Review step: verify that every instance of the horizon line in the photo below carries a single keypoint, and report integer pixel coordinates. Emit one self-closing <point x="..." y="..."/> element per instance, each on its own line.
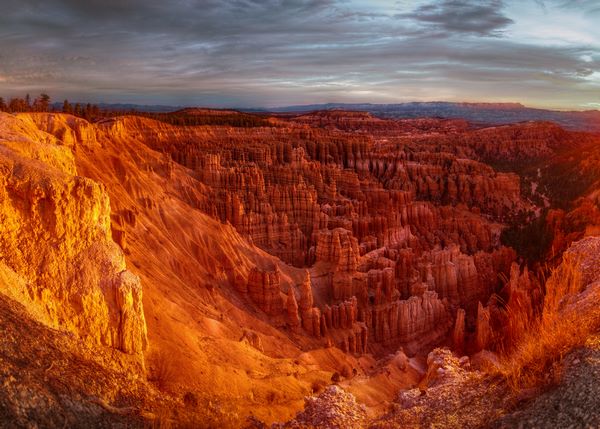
<point x="272" y="108"/>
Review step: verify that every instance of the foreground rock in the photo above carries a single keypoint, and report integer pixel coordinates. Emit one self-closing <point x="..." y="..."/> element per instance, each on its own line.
<point x="450" y="396"/>
<point x="333" y="409"/>
<point x="574" y="403"/>
<point x="47" y="379"/>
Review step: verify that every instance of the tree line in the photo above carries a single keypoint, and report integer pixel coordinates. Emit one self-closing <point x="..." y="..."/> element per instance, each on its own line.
<point x="42" y="103"/>
<point x="92" y="113"/>
<point x="17" y="104"/>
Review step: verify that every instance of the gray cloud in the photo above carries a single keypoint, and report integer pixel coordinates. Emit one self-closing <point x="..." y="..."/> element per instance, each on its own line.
<point x="481" y="17"/>
<point x="274" y="52"/>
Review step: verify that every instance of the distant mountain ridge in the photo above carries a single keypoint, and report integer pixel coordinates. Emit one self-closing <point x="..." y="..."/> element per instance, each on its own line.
<point x="484" y="113"/>
<point x="476" y="113"/>
<point x="154" y="108"/>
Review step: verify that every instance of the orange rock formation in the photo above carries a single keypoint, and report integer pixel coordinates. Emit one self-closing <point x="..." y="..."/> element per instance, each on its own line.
<point x="328" y="229"/>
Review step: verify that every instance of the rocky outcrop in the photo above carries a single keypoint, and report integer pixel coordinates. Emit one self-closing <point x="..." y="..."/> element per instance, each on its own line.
<point x="584" y="255"/>
<point x="56" y="238"/>
<point x="306" y="303"/>
<point x="339" y="248"/>
<point x="253" y="339"/>
<point x="264" y="290"/>
<point x="458" y="334"/>
<point x="333" y="408"/>
<point x="293" y="317"/>
<point x="132" y="326"/>
<point x="342" y="315"/>
<point x="483" y="330"/>
<point x="415" y="323"/>
<point x="355" y="341"/>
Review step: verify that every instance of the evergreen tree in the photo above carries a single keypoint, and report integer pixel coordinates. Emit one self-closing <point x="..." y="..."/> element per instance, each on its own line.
<point x="67" y="108"/>
<point x="3" y="106"/>
<point x="44" y="102"/>
<point x="17" y="105"/>
<point x="87" y="114"/>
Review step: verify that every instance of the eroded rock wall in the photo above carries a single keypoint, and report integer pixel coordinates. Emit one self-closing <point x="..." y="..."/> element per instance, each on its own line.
<point x="56" y="238"/>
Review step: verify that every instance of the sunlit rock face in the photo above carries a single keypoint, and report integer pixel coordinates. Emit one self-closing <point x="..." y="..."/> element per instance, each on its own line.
<point x="56" y="244"/>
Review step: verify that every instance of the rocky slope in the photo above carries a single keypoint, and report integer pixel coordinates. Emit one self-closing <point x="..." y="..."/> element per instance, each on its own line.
<point x="257" y="263"/>
<point x="47" y="379"/>
<point x="574" y="402"/>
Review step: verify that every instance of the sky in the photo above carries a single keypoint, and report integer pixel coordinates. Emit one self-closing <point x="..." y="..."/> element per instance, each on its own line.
<point x="250" y="53"/>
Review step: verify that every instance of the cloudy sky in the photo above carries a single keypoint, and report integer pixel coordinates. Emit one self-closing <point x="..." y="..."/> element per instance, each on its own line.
<point x="544" y="53"/>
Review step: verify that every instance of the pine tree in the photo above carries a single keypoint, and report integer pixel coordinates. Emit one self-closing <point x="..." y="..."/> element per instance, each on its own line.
<point x="88" y="112"/>
<point x="3" y="106"/>
<point x="44" y="102"/>
<point x="67" y="108"/>
<point x="17" y="105"/>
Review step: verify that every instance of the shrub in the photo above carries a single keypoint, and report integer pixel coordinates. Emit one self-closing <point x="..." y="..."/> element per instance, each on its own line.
<point x="540" y="343"/>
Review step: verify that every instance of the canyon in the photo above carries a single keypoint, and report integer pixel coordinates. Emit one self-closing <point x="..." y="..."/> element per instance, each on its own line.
<point x="246" y="267"/>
